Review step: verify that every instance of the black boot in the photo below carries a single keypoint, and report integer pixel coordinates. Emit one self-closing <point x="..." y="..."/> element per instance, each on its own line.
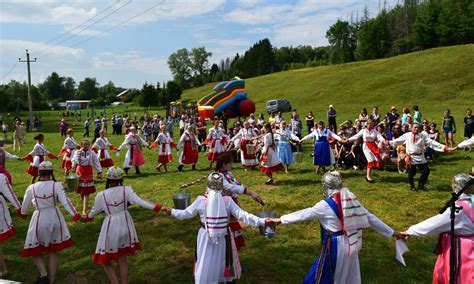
<point x="126" y="170"/>
<point x="42" y="280"/>
<point x="180" y="168"/>
<point x="194" y="167"/>
<point x="137" y="170"/>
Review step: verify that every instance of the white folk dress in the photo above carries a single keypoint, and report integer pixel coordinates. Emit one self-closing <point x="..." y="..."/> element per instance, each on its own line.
<point x="134" y="156"/>
<point x="247" y="147"/>
<point x="101" y="145"/>
<point x="36" y="156"/>
<point x="6" y="227"/>
<point x="370" y="147"/>
<point x="347" y="269"/>
<point x="84" y="161"/>
<point x="69" y="149"/>
<point x="165" y="143"/>
<point x="210" y="262"/>
<point x="118" y="236"/>
<point x="48" y="230"/>
<point x="270" y="162"/>
<point x="189" y="143"/>
<point x="216" y="140"/>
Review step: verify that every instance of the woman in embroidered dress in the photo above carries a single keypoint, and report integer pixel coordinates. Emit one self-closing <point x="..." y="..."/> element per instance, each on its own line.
<point x="216" y="141"/>
<point x="68" y="151"/>
<point x="48" y="232"/>
<point x="217" y="259"/>
<point x="463" y="230"/>
<point x="341" y="232"/>
<point x="323" y="155"/>
<point x="83" y="162"/>
<point x="6" y="227"/>
<point x="118" y="237"/>
<point x="3" y="156"/>
<point x="283" y="136"/>
<point x="190" y="144"/>
<point x="134" y="156"/>
<point x="247" y="146"/>
<point x="164" y="143"/>
<point x="270" y="162"/>
<point x="101" y="145"/>
<point x="37" y="156"/>
<point x="370" y="147"/>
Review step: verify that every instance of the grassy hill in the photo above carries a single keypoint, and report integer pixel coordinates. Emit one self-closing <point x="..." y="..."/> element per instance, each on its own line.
<point x="433" y="79"/>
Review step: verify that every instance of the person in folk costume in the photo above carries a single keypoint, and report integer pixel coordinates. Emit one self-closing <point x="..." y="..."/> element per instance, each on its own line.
<point x="37" y="156"/>
<point x="233" y="188"/>
<point x="164" y="142"/>
<point x="466" y="143"/>
<point x="47" y="232"/>
<point x="283" y="135"/>
<point x="189" y="141"/>
<point x="118" y="237"/>
<point x="83" y="161"/>
<point x="342" y="219"/>
<point x="216" y="141"/>
<point x="464" y="233"/>
<point x="270" y="163"/>
<point x="69" y="148"/>
<point x="372" y="151"/>
<point x="217" y="259"/>
<point x="3" y="156"/>
<point x="6" y="227"/>
<point x="134" y="156"/>
<point x="416" y="142"/>
<point x="101" y="145"/>
<point x="323" y="155"/>
<point x="248" y="146"/>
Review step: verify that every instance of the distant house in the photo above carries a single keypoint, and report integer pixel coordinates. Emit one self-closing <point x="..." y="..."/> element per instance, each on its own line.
<point x="123" y="95"/>
<point x="77" y="104"/>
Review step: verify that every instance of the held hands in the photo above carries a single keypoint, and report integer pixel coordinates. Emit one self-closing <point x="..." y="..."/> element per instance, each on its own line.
<point x="22" y="216"/>
<point x="272" y="221"/>
<point x="167" y="210"/>
<point x="450" y="149"/>
<point x="401" y="235"/>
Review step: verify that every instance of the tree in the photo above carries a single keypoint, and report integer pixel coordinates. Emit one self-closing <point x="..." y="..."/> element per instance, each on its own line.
<point x="374" y="39"/>
<point x="108" y="92"/>
<point x="213" y="72"/>
<point x="180" y="63"/>
<point x="343" y="41"/>
<point x="87" y="89"/>
<point x="173" y="91"/>
<point x="52" y="87"/>
<point x="200" y="61"/>
<point x="148" y="96"/>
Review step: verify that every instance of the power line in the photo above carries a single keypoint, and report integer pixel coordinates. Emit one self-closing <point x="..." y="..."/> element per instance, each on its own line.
<point x="77" y="26"/>
<point x="111" y="28"/>
<point x="83" y="29"/>
<point x="9" y="71"/>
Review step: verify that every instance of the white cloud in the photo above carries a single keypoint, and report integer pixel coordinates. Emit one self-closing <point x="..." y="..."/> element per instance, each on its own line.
<point x="229" y="42"/>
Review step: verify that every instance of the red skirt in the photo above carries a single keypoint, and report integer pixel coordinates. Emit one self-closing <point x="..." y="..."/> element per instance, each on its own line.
<point x="165" y="159"/>
<point x="32" y="170"/>
<point x="7" y="235"/>
<point x="51" y="248"/>
<point x="137" y="157"/>
<point x="86" y="180"/>
<point x="190" y="155"/>
<point x="269" y="170"/>
<point x="243" y="148"/>
<point x="107" y="257"/>
<point x="376" y="151"/>
<point x="106" y="163"/>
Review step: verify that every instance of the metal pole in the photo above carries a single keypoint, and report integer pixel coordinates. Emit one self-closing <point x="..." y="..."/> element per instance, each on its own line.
<point x="30" y="101"/>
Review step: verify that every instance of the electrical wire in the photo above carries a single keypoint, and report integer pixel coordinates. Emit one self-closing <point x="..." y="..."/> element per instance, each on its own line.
<point x="9" y="71"/>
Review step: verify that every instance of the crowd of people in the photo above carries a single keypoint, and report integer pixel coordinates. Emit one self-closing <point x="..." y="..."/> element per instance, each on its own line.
<point x="372" y="141"/>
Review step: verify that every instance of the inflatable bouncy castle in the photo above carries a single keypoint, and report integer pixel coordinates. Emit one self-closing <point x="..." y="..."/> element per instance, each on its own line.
<point x="228" y="97"/>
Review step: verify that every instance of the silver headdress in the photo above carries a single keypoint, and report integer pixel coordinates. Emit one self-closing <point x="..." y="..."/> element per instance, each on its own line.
<point x="45" y="166"/>
<point x="114" y="173"/>
<point x="215" y="181"/>
<point x="331" y="181"/>
<point x="459" y="181"/>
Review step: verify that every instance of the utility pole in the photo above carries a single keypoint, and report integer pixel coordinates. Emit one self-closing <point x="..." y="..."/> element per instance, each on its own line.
<point x="30" y="102"/>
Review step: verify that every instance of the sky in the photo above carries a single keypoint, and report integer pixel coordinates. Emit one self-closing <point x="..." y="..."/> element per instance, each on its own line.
<point x="129" y="41"/>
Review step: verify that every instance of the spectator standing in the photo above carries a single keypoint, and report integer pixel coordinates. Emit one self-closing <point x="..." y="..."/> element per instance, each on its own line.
<point x="363" y="117"/>
<point x="375" y="117"/>
<point x="296" y="125"/>
<point x="260" y="121"/>
<point x="468" y="124"/>
<point x="202" y="133"/>
<point x="104" y="121"/>
<point x="417" y="115"/>
<point x="310" y="122"/>
<point x="405" y="115"/>
<point x="170" y="126"/>
<point x="449" y="128"/>
<point x="86" y="128"/>
<point x="332" y="117"/>
<point x="63" y="126"/>
<point x="5" y="130"/>
<point x="19" y="135"/>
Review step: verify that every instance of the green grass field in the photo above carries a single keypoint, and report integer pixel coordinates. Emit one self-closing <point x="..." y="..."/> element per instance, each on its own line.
<point x="433" y="79"/>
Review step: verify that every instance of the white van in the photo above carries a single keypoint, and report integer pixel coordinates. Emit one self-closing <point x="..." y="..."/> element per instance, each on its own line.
<point x="275" y="106"/>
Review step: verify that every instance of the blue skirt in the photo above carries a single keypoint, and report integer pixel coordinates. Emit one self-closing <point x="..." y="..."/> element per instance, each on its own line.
<point x="322" y="153"/>
<point x="285" y="155"/>
<point x="329" y="266"/>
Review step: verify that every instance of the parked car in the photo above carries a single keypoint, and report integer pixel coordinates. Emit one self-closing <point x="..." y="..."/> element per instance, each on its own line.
<point x="274" y="106"/>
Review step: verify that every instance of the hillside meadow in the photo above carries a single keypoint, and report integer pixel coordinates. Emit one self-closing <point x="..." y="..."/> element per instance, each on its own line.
<point x="433" y="79"/>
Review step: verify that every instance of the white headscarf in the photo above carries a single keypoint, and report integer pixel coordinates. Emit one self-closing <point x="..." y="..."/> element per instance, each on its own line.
<point x="217" y="217"/>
